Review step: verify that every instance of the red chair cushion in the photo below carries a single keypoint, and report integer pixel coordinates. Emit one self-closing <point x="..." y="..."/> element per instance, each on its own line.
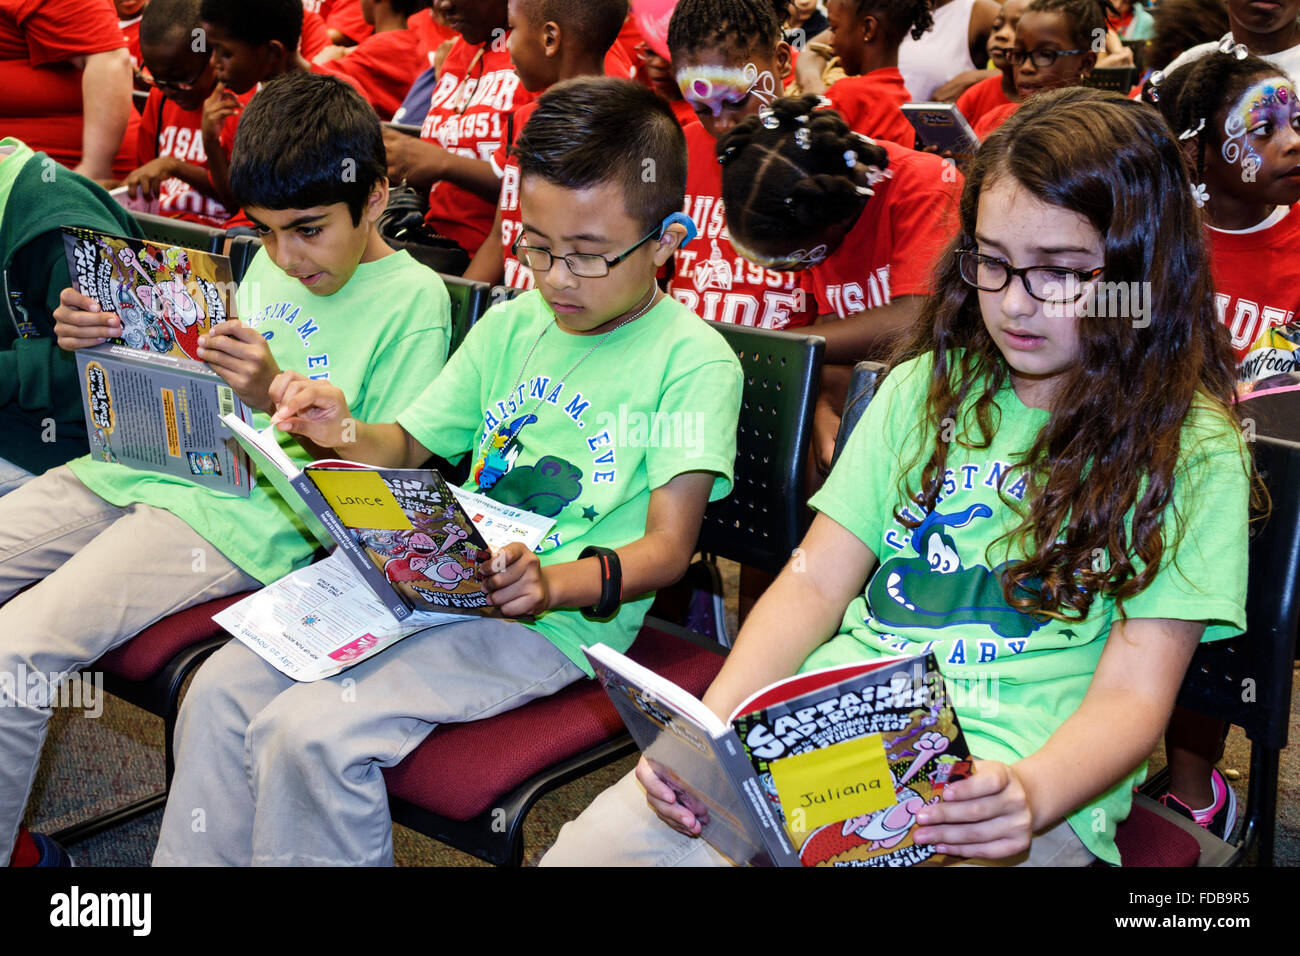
<point x="461" y="769"/>
<point x="1148" y="839"/>
<point x="149" y="651"/>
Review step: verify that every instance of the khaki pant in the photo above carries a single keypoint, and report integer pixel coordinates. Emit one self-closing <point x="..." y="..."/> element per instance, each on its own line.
<point x="620" y="829"/>
<point x="101" y="574"/>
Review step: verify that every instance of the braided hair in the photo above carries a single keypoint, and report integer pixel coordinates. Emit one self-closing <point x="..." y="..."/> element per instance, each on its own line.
<point x="790" y="172"/>
<point x="737" y="25"/>
<point x="1190" y="96"/>
<point x="1087" y="18"/>
<point x="899" y="18"/>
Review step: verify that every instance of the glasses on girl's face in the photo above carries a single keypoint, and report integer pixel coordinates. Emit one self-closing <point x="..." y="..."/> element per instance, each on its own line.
<point x="1040" y="58"/>
<point x="1054" y="284"/>
<point x="180" y="87"/>
<point x="584" y="265"/>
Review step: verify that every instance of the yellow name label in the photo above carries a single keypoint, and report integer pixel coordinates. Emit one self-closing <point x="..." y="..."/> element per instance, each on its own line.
<point x="360" y="499"/>
<point x="834" y="783"/>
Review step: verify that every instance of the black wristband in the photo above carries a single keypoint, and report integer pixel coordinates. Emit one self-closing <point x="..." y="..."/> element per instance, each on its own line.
<point x="611" y="582"/>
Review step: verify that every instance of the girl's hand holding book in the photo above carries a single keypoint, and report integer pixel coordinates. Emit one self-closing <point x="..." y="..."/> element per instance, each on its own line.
<point x="314" y="409"/>
<point x="987" y="815"/>
<point x="663" y="800"/>
<point x="240" y="355"/>
<point x="78" y="323"/>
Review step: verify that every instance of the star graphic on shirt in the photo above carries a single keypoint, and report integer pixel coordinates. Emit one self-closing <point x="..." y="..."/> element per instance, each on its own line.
<point x="590" y="513"/>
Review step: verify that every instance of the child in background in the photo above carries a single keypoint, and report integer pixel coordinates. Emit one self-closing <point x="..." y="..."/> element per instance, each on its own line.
<point x="731" y="60"/>
<point x="1053" y="49"/>
<point x="1239" y="123"/>
<point x="1132" y="21"/>
<point x="104" y="550"/>
<point x="252" y="41"/>
<point x="945" y="60"/>
<point x="1181" y="25"/>
<point x="128" y="18"/>
<point x="466" y="123"/>
<point x="347" y="22"/>
<point x="292" y="772"/>
<point x="550" y="41"/>
<point x="865" y="35"/>
<point x="384" y="65"/>
<point x="1006" y="368"/>
<point x="1271" y="31"/>
<point x="863" y="222"/>
<point x="173" y="163"/>
<point x="1000" y="89"/>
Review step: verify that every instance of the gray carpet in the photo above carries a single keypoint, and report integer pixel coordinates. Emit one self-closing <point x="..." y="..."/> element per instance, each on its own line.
<point x="94" y="765"/>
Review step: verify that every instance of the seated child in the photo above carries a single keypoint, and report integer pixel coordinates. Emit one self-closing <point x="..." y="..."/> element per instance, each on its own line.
<point x="466" y="123"/>
<point x="996" y="458"/>
<point x="110" y="550"/>
<point x="550" y="41"/>
<point x="866" y="35"/>
<point x="730" y="61"/>
<point x="252" y="41"/>
<point x="41" y="419"/>
<point x="384" y="65"/>
<point x="1053" y="49"/>
<point x="1239" y="125"/>
<point x="942" y="62"/>
<point x="173" y="163"/>
<point x="1270" y="31"/>
<point x="1000" y="89"/>
<point x="863" y="222"/>
<point x="291" y="772"/>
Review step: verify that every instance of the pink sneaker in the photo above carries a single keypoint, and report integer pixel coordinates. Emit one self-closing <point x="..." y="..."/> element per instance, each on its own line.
<point x="1219" y="817"/>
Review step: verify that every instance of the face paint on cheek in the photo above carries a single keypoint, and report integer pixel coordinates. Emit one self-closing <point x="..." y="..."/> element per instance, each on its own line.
<point x="713" y="88"/>
<point x="1272" y="100"/>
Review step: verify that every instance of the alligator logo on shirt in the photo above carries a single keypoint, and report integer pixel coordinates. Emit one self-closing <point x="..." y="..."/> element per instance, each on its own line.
<point x="935" y="590"/>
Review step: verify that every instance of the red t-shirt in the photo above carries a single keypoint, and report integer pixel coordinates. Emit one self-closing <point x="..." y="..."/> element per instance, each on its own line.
<point x="477" y="88"/>
<point x="319" y="7"/>
<point x="228" y="130"/>
<point x="892" y="248"/>
<point x="711" y="278"/>
<point x="315" y="35"/>
<point x="382" y="67"/>
<point x="628" y="39"/>
<point x="430" y="34"/>
<point x="345" y="16"/>
<point x="870" y="105"/>
<point x="992" y="119"/>
<point x="1256" y="278"/>
<point x="40" y="91"/>
<point x="982" y="97"/>
<point x="168" y="130"/>
<point x="131" y="32"/>
<point x="618" y="64"/>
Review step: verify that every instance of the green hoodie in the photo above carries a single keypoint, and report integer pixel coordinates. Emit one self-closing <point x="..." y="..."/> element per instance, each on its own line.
<point x="38" y="380"/>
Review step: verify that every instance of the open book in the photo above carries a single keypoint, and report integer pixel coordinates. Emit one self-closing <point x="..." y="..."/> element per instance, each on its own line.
<point x="413" y="538"/>
<point x="150" y="403"/>
<point x="827" y="768"/>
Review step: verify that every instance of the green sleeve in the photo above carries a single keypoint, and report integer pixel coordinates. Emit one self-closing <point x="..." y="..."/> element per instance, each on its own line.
<point x="862" y="488"/>
<point x="446" y="416"/>
<point x="1203" y="572"/>
<point x="36" y="373"/>
<point x="698" y="413"/>
<point x="404" y="366"/>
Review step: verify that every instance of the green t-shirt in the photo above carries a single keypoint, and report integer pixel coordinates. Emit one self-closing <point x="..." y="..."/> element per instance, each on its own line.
<point x="659" y="397"/>
<point x="1015" y="678"/>
<point x="19" y="153"/>
<point x="380" y="338"/>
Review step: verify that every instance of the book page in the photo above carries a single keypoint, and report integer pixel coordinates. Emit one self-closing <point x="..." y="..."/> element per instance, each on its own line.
<point x="501" y="524"/>
<point x="320" y="620"/>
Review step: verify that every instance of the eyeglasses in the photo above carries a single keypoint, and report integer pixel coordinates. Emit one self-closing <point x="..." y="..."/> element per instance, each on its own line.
<point x="1040" y="58"/>
<point x="1054" y="284"/>
<point x="584" y="265"/>
<point x="148" y="78"/>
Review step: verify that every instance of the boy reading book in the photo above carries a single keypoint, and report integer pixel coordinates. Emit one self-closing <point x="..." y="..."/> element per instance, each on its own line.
<point x="115" y="549"/>
<point x="594" y="399"/>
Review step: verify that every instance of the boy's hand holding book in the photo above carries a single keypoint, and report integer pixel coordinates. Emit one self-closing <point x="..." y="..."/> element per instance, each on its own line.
<point x="240" y="355"/>
<point x="515" y="581"/>
<point x="78" y="322"/>
<point x="313" y="409"/>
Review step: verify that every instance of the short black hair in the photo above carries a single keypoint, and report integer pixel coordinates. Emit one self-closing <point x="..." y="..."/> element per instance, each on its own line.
<point x="1085" y="17"/>
<point x="739" y="26"/>
<point x="257" y="21"/>
<point x="164" y="19"/>
<point x="592" y="130"/>
<point x="307" y="140"/>
<point x="594" y="24"/>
